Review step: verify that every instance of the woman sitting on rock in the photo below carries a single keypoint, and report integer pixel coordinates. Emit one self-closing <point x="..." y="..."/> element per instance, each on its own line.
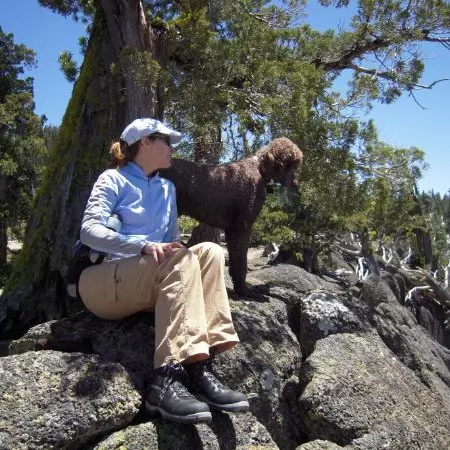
<point x="149" y="269"/>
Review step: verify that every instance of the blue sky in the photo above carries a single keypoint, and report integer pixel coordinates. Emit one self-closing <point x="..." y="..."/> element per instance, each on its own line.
<point x="402" y="124"/>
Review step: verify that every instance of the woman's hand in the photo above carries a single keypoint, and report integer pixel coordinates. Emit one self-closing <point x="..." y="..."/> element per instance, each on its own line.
<point x="161" y="251"/>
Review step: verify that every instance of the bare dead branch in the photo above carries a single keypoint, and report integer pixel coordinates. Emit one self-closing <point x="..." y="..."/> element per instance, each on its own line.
<point x="382" y="62"/>
<point x="445" y="42"/>
<point x="392" y="76"/>
<point x="347" y="251"/>
<point x="411" y="93"/>
<point x="387" y="75"/>
<point x="430" y="86"/>
<point x="364" y="46"/>
<point x="442" y="296"/>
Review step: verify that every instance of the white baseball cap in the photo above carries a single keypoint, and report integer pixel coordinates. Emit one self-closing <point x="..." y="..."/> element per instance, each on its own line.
<point x="140" y="128"/>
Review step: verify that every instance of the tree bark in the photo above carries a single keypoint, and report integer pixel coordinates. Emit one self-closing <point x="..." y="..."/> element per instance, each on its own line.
<point x="128" y="28"/>
<point x="208" y="148"/>
<point x="3" y="226"/>
<point x="204" y="233"/>
<point x="310" y="262"/>
<point x="423" y="237"/>
<point x="103" y="102"/>
<point x="425" y="247"/>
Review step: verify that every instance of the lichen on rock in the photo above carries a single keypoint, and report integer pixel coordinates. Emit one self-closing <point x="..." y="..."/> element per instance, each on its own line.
<point x="52" y="399"/>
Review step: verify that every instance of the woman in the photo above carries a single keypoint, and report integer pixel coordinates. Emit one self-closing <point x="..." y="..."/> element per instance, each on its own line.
<point x="149" y="269"/>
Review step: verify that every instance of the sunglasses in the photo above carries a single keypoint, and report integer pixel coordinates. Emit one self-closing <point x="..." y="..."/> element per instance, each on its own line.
<point x="160" y="137"/>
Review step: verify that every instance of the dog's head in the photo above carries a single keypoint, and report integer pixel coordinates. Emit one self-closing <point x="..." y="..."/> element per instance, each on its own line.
<point x="280" y="162"/>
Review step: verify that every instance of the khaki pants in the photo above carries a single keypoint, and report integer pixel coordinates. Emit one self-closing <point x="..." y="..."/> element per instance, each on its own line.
<point x="187" y="293"/>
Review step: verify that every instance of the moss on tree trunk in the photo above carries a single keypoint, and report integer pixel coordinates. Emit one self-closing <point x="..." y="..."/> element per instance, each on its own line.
<point x="105" y="97"/>
<point x="3" y="227"/>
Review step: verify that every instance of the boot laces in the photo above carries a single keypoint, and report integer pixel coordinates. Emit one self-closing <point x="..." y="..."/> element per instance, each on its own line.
<point x="176" y="377"/>
<point x="205" y="368"/>
<point x="214" y="380"/>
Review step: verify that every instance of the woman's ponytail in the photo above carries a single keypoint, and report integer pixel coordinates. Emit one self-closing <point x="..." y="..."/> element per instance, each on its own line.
<point x="122" y="153"/>
<point x="118" y="159"/>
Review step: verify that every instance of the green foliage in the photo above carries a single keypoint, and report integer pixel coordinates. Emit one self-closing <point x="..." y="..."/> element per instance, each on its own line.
<point x="255" y="69"/>
<point x="385" y="189"/>
<point x="75" y="8"/>
<point x="83" y="43"/>
<point x="68" y="66"/>
<point x="21" y="143"/>
<point x="366" y="188"/>
<point x="388" y="175"/>
<point x="435" y="221"/>
<point x="15" y="58"/>
<point x="144" y="70"/>
<point x="445" y="208"/>
<point x="275" y="222"/>
<point x="233" y="71"/>
<point x="186" y="224"/>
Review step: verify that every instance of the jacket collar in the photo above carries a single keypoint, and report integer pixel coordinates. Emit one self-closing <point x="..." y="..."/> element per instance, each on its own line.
<point x="133" y="169"/>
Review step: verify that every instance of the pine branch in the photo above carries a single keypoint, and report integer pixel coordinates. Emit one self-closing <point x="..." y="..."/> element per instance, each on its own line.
<point x="258" y="17"/>
<point x="358" y="50"/>
<point x="445" y="42"/>
<point x="364" y="46"/>
<point x="387" y="74"/>
<point x="392" y="76"/>
<point x="430" y="86"/>
<point x="411" y="93"/>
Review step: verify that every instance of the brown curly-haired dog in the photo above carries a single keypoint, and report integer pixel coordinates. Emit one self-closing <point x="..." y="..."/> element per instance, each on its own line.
<point x="230" y="196"/>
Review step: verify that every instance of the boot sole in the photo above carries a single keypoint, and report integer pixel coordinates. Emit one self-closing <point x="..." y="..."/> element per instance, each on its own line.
<point x="230" y="407"/>
<point x="200" y="417"/>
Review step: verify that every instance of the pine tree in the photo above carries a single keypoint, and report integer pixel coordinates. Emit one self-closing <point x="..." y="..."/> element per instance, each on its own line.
<point x="21" y="144"/>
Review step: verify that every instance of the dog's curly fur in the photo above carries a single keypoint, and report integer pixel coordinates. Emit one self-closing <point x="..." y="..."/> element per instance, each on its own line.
<point x="230" y="196"/>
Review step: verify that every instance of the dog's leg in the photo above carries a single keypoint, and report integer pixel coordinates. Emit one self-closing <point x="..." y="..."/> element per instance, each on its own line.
<point x="237" y="242"/>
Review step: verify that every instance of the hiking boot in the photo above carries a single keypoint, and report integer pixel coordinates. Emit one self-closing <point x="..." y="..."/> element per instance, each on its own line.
<point x="168" y="396"/>
<point x="207" y="388"/>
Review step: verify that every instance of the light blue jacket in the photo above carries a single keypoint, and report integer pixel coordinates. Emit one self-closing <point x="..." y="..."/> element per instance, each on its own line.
<point x="146" y="206"/>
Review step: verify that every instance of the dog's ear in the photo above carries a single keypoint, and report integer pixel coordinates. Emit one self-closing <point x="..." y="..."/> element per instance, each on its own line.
<point x="267" y="164"/>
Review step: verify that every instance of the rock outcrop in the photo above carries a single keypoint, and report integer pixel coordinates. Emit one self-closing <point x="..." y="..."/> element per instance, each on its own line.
<point x="53" y="399"/>
<point x="325" y="367"/>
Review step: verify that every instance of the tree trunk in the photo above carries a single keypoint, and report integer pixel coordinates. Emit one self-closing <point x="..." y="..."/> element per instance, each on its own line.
<point x="309" y="252"/>
<point x="208" y="149"/>
<point x="204" y="233"/>
<point x="128" y="29"/>
<point x="3" y="226"/>
<point x="310" y="262"/>
<point x="425" y="247"/>
<point x="423" y="237"/>
<point x="103" y="102"/>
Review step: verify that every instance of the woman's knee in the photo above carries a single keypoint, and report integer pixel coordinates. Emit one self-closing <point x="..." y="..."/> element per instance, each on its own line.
<point x="188" y="257"/>
<point x="180" y="256"/>
<point x="212" y="249"/>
